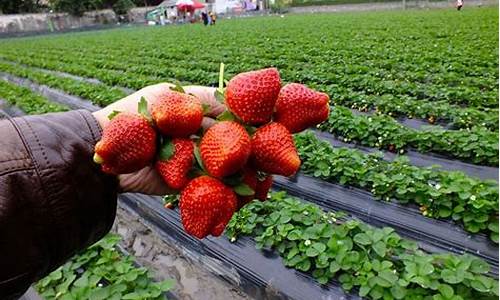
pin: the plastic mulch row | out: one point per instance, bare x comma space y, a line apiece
419, 159
260, 274
433, 235
9, 109
51, 94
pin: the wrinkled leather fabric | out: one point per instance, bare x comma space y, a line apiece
54, 200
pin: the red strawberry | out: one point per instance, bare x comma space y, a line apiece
225, 148
174, 170
128, 144
263, 187
177, 114
206, 206
273, 150
251, 96
299, 107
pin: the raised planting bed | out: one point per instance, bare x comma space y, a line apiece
262, 273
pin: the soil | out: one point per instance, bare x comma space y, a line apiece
167, 261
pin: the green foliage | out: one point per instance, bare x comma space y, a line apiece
76, 7
415, 64
476, 145
101, 272
20, 6
280, 6
387, 62
121, 7
440, 194
410, 56
332, 2
26, 100
99, 94
374, 262
432, 111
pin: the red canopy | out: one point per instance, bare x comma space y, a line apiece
189, 5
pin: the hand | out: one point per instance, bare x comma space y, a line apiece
147, 180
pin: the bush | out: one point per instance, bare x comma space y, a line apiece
280, 6
121, 7
76, 7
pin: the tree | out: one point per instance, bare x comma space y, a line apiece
76, 7
121, 7
19, 6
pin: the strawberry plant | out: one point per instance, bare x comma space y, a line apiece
403, 106
440, 194
428, 65
101, 272
404, 60
99, 94
26, 100
373, 262
415, 76
476, 145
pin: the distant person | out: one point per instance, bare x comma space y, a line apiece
460, 3
204, 18
213, 17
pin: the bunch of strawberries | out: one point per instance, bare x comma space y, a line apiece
219, 170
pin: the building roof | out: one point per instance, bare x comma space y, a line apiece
167, 3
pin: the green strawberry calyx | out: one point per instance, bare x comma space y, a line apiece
113, 114
243, 189
167, 149
178, 88
142, 109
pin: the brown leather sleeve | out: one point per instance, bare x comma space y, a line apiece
54, 200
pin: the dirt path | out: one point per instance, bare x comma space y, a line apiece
166, 261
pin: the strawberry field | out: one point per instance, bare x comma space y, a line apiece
397, 195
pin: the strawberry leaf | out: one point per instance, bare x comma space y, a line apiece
243, 189
142, 108
197, 155
167, 150
113, 114
226, 116
177, 88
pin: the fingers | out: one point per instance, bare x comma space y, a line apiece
146, 181
207, 122
155, 92
206, 96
